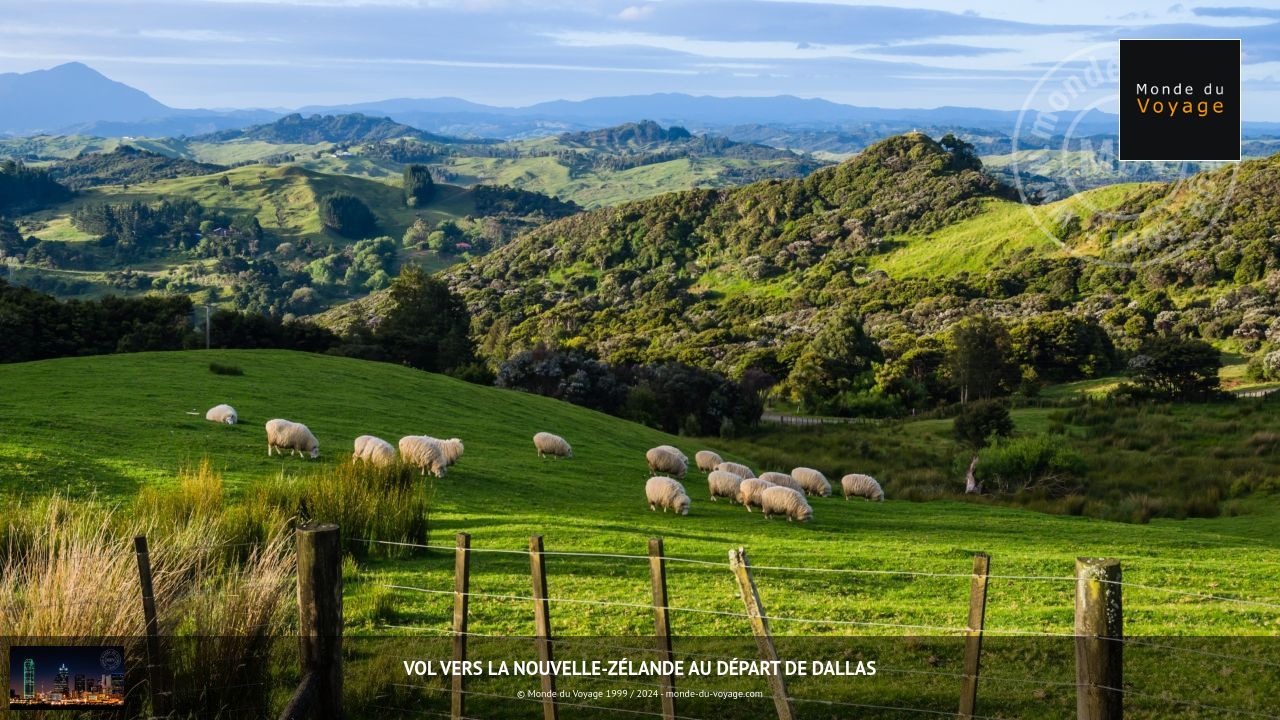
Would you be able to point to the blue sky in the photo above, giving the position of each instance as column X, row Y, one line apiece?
column 910, row 53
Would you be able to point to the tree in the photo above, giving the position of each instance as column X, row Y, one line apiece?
column 427, row 326
column 839, row 353
column 1174, row 368
column 417, row 234
column 974, row 427
column 980, row 358
column 418, row 186
column 347, row 215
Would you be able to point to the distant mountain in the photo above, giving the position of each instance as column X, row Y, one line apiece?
column 189, row 122
column 702, row 112
column 67, row 95
column 126, row 165
column 348, row 128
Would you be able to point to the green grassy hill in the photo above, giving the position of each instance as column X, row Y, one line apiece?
column 107, row 426
column 260, row 190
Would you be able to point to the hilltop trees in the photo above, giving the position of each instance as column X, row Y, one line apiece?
column 24, row 189
column 427, row 325
column 418, row 186
column 347, row 215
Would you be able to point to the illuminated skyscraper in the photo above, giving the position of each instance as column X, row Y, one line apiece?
column 28, row 678
column 60, row 684
column 79, row 686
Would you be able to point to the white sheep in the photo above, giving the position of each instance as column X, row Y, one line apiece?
column 666, row 493
column 738, row 469
column 553, row 445
column 707, row 460
column 723, row 484
column 424, row 453
column 813, row 482
column 749, row 491
column 785, row 501
column 666, row 459
column 863, row 486
column 783, row 479
column 295, row 437
column 373, row 450
column 452, row 450
column 677, row 451
column 222, row 414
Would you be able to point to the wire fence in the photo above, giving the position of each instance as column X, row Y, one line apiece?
column 828, row 624
column 216, row 583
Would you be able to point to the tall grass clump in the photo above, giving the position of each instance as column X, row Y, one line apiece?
column 369, row 503
column 68, row 570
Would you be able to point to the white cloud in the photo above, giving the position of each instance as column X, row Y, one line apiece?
column 635, row 12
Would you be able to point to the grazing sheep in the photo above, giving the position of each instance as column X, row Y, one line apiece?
column 813, row 482
column 677, row 451
column 738, row 469
column 749, row 492
column 863, row 486
column 452, row 450
column 295, row 437
column 666, row 459
column 783, row 479
column 424, row 453
column 373, row 450
column 222, row 414
column 552, row 445
column 668, row 494
column 707, row 460
column 723, row 484
column 785, row 501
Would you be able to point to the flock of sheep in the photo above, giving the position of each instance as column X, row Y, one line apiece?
column 426, row 453
column 775, row 493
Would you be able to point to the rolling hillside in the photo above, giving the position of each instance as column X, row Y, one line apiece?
column 144, row 420
column 260, row 190
column 909, row 236
column 284, row 202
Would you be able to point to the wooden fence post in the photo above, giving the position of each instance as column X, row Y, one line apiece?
column 973, row 635
column 461, row 588
column 542, row 627
column 662, row 625
column 760, row 627
column 320, row 620
column 1099, row 640
column 155, row 665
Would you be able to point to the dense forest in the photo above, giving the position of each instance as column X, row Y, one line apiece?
column 25, row 189
column 127, row 165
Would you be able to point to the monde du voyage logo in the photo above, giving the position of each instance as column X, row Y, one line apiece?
column 1179, row 100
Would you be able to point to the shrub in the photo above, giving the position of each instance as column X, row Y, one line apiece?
column 1034, row 463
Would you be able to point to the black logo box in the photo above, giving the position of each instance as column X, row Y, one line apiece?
column 1180, row 65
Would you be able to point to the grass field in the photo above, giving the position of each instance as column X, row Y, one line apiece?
column 106, row 427
column 105, row 430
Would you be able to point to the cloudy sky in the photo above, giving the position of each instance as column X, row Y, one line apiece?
column 908, row 53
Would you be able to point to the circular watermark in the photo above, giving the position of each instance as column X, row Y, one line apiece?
column 110, row 660
column 1063, row 136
